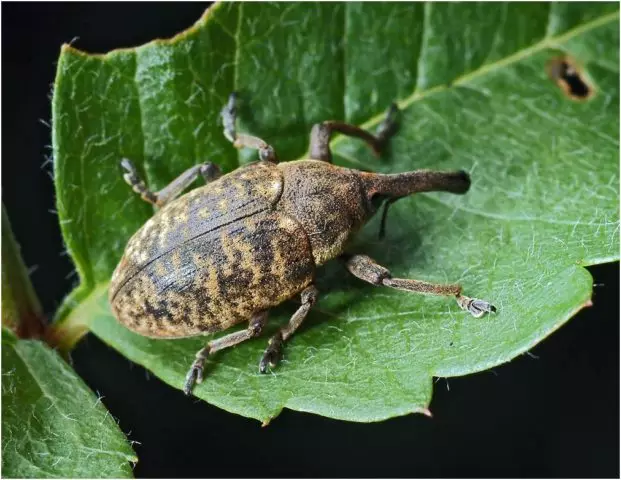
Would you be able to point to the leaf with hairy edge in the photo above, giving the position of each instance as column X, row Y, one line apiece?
column 472, row 83
column 53, row 426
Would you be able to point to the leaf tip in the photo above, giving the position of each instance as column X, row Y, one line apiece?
column 67, row 48
column 426, row 412
column 270, row 416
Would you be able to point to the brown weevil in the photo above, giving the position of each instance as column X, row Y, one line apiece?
column 227, row 252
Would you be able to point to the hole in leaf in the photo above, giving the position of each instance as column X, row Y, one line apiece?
column 569, row 77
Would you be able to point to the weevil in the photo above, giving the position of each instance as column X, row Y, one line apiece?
column 229, row 251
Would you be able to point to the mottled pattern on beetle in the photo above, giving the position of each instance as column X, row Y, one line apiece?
column 212, row 258
column 239, row 194
column 327, row 200
column 214, row 282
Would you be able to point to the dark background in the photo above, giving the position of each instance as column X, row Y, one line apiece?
column 553, row 413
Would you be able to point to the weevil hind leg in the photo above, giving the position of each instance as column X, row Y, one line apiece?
column 209, row 171
column 195, row 374
column 242, row 140
column 273, row 352
column 367, row 269
column 321, row 134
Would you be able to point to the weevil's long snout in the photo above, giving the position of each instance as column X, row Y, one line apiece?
column 403, row 184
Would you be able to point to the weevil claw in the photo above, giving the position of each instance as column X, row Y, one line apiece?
column 272, row 353
column 476, row 307
column 127, row 165
column 228, row 115
column 194, row 376
column 190, row 380
column 131, row 176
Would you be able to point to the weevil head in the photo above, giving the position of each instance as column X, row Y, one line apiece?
column 332, row 202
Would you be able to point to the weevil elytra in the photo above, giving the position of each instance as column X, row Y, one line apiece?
column 227, row 252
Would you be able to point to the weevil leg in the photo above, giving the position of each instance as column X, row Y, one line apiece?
column 273, row 352
column 322, row 132
column 209, row 171
column 367, row 269
column 242, row 140
column 195, row 374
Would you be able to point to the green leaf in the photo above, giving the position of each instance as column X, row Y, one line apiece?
column 52, row 424
column 472, row 84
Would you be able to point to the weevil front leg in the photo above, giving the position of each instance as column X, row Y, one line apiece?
column 273, row 352
column 322, row 132
column 367, row 269
column 242, row 140
column 209, row 171
column 195, row 374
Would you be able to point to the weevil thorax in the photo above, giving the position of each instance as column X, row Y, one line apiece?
column 327, row 201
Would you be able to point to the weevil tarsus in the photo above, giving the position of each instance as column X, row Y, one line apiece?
column 133, row 180
column 321, row 134
column 388, row 127
column 273, row 352
column 229, row 115
column 367, row 269
column 195, row 374
column 476, row 307
column 243, row 140
column 209, row 171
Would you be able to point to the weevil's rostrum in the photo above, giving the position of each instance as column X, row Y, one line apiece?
column 227, row 252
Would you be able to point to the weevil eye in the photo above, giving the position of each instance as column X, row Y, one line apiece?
column 376, row 200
